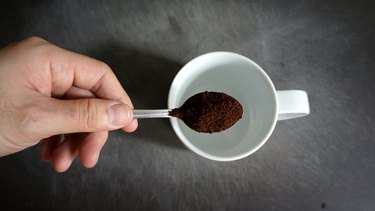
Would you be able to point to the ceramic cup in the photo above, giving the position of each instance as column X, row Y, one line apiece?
column 247, row 82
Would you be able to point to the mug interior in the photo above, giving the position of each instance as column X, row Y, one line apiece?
column 240, row 78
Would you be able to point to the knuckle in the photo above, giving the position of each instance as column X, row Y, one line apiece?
column 104, row 65
column 33, row 43
column 33, row 47
column 35, row 40
column 36, row 47
column 88, row 113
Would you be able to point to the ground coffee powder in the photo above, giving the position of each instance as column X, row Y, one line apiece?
column 209, row 112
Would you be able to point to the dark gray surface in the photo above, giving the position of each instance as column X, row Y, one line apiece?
column 322, row 162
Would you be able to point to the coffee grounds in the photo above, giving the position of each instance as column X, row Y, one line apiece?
column 209, row 112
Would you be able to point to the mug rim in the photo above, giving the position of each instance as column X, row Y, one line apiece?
column 197, row 150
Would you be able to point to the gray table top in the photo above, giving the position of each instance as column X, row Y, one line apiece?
column 322, row 162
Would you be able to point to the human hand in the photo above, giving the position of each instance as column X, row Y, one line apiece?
column 67, row 100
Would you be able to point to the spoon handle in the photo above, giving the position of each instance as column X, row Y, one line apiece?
column 151, row 113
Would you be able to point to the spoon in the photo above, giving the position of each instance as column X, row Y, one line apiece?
column 206, row 112
column 151, row 113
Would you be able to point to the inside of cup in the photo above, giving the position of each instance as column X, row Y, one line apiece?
column 240, row 78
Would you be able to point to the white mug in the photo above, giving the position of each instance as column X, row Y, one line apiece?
column 248, row 83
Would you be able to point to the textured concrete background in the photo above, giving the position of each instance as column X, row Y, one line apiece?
column 322, row 162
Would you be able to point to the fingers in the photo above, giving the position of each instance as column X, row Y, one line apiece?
column 77, row 93
column 69, row 68
column 65, row 153
column 73, row 116
column 90, row 148
column 132, row 126
column 87, row 76
column 62, row 153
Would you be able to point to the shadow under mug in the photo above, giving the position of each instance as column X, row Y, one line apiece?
column 247, row 82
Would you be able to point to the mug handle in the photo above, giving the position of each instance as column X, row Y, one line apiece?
column 292, row 104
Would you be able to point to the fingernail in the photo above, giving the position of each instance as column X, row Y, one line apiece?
column 119, row 114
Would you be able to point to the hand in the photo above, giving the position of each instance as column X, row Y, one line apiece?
column 67, row 100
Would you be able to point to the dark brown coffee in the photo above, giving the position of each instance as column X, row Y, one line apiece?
column 209, row 112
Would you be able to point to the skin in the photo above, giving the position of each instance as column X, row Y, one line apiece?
column 65, row 100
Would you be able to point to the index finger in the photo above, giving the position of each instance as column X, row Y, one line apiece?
column 72, row 69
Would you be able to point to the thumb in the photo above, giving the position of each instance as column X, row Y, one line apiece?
column 86, row 115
